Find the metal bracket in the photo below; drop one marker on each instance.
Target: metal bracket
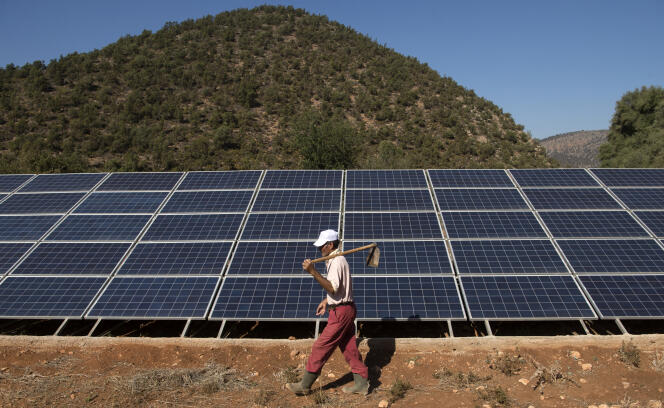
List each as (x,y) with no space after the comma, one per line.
(449,328)
(186,327)
(94,327)
(585,328)
(621,327)
(317,328)
(57,332)
(489,332)
(221,329)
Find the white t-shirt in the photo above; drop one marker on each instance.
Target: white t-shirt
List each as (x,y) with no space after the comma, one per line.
(338,273)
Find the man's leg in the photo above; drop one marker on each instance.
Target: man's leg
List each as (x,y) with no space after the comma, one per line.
(348,346)
(325,343)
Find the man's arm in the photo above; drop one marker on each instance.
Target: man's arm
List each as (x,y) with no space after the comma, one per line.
(308,266)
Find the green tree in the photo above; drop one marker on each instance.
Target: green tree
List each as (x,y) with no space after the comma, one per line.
(326,143)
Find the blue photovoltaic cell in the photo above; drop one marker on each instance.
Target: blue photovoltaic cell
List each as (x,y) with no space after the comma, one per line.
(10,253)
(572,198)
(289,226)
(412,297)
(507,257)
(470,178)
(302,179)
(641,198)
(63,182)
(401,258)
(178,258)
(626,296)
(492,225)
(580,224)
(298,200)
(524,297)
(40,203)
(2,196)
(72,259)
(388,200)
(220,180)
(139,181)
(156,297)
(378,226)
(268,298)
(194,227)
(480,199)
(613,256)
(99,228)
(208,201)
(38,296)
(25,228)
(121,203)
(272,258)
(10,182)
(631,177)
(553,178)
(653,220)
(385,179)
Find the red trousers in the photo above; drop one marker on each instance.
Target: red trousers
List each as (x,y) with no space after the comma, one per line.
(340,331)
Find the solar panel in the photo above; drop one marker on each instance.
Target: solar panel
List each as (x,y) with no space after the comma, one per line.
(220,180)
(177,258)
(385,179)
(51,203)
(361,226)
(121,203)
(579,198)
(480,199)
(10,182)
(470,178)
(553,178)
(401,258)
(39,296)
(412,298)
(10,253)
(208,201)
(653,220)
(298,200)
(63,182)
(155,297)
(613,256)
(305,226)
(524,297)
(492,225)
(388,200)
(194,227)
(641,198)
(99,228)
(626,296)
(25,228)
(140,181)
(72,259)
(2,196)
(507,257)
(580,224)
(302,179)
(631,177)
(272,258)
(268,298)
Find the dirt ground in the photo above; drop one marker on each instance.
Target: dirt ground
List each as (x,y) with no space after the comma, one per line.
(561,371)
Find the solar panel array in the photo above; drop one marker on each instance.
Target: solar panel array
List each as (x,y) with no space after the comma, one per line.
(455,244)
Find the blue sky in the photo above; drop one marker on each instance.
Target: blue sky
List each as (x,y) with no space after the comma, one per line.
(556,66)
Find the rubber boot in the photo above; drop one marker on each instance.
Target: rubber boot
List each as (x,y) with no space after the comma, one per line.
(304,386)
(360,386)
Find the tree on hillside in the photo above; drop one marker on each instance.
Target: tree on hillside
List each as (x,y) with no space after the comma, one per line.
(636,136)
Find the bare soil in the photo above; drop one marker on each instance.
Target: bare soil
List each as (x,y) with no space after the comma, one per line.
(562,371)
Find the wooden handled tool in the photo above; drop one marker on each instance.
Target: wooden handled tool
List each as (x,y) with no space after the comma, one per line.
(372,258)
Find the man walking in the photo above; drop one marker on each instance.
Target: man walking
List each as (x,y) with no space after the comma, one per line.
(340,328)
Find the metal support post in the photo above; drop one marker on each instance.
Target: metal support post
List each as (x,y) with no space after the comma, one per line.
(585,328)
(221,329)
(449,328)
(621,327)
(488,328)
(57,332)
(317,328)
(186,327)
(94,328)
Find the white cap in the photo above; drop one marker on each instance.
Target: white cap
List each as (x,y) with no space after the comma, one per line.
(325,237)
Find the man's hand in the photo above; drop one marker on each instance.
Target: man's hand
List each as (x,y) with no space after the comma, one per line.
(320,310)
(308,266)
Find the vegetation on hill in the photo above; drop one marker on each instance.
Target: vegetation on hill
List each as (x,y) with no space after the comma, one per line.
(270,87)
(575,149)
(636,136)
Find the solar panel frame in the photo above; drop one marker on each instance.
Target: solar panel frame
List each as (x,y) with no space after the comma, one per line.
(630,177)
(388,200)
(61,297)
(571,199)
(297,201)
(402,258)
(194,227)
(154,181)
(61,182)
(469,178)
(40,203)
(302,179)
(10,253)
(553,178)
(654,220)
(477,290)
(613,256)
(125,202)
(603,291)
(26,227)
(592,224)
(86,227)
(288,226)
(464,199)
(399,226)
(221,180)
(193,259)
(641,198)
(225,201)
(388,179)
(496,224)
(11,182)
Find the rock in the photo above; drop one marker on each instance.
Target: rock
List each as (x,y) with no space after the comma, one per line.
(592,406)
(303,356)
(62,352)
(583,380)
(586,367)
(454,391)
(562,397)
(625,385)
(71,353)
(480,388)
(603,406)
(615,406)
(654,404)
(542,397)
(500,354)
(531,406)
(575,355)
(291,337)
(331,375)
(524,381)
(383,404)
(486,406)
(411,364)
(294,353)
(72,396)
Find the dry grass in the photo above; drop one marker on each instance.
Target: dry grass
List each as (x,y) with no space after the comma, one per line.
(629,354)
(289,374)
(263,397)
(451,379)
(549,375)
(657,362)
(398,389)
(508,364)
(496,397)
(319,397)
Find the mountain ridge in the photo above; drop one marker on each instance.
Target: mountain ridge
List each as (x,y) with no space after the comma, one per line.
(576,149)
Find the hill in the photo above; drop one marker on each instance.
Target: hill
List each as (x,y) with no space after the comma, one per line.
(576,149)
(269,87)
